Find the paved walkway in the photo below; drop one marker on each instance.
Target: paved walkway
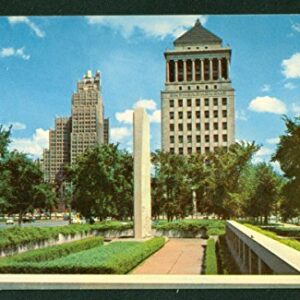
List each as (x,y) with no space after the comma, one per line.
(178,256)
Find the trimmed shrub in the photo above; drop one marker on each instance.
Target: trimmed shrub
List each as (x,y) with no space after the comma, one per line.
(284,231)
(210,260)
(53,252)
(116,258)
(289,242)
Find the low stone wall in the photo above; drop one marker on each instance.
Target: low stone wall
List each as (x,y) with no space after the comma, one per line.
(180,233)
(256,253)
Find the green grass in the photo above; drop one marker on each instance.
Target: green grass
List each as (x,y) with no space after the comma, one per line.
(116,258)
(212,227)
(210,260)
(289,242)
(16,236)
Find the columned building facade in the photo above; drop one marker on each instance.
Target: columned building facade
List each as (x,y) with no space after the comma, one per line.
(198,100)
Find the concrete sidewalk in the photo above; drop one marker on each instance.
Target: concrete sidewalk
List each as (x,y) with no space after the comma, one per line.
(178,256)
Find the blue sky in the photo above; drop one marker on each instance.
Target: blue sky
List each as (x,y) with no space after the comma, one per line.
(41,59)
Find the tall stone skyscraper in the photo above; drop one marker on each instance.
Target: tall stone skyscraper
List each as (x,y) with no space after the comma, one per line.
(84,129)
(198,100)
(87,115)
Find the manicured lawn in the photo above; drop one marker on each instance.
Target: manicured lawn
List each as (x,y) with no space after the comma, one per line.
(115,258)
(210,260)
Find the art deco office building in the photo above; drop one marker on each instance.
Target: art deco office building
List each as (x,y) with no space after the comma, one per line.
(73,135)
(87,115)
(198,100)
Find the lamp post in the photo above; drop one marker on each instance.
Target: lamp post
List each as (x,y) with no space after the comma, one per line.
(194,201)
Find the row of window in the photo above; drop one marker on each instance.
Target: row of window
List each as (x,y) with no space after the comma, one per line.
(190,150)
(189,102)
(189,114)
(189,126)
(189,138)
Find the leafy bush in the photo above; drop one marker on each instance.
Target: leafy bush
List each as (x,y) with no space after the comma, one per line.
(210,260)
(53,252)
(285,231)
(213,227)
(289,242)
(16,236)
(115,258)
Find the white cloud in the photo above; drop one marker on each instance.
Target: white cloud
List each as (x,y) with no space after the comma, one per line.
(296,27)
(273,141)
(151,26)
(15,126)
(125,116)
(291,66)
(241,115)
(117,134)
(266,88)
(145,103)
(296,108)
(268,104)
(263,151)
(15,20)
(155,117)
(33,146)
(290,86)
(7,52)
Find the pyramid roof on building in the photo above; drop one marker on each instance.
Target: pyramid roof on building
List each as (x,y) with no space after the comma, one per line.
(197,35)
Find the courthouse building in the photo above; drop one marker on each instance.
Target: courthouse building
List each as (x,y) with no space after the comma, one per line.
(198,100)
(85,128)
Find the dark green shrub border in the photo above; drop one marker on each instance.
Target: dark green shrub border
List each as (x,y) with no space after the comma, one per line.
(120,263)
(16,236)
(53,252)
(210,260)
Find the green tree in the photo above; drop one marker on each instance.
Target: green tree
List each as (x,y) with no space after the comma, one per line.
(287,154)
(4,140)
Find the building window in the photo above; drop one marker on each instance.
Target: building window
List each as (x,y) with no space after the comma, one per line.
(198,114)
(180,102)
(206,102)
(216,138)
(216,113)
(180,138)
(206,149)
(224,101)
(198,126)
(180,127)
(180,88)
(198,149)
(171,103)
(207,138)
(206,114)
(190,150)
(198,102)
(225,125)
(215,87)
(197,87)
(216,126)
(171,127)
(189,102)
(172,139)
(171,115)
(180,150)
(206,87)
(189,87)
(215,101)
(172,150)
(206,126)
(189,126)
(189,138)
(224,113)
(180,115)
(189,114)
(224,137)
(198,138)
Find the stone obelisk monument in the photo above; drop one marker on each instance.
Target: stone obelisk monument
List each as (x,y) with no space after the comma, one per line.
(142,188)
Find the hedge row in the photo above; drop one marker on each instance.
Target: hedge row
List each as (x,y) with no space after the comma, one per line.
(210,260)
(54,252)
(289,242)
(116,258)
(212,227)
(16,236)
(284,231)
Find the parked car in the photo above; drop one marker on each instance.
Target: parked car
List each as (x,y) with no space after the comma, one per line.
(10,221)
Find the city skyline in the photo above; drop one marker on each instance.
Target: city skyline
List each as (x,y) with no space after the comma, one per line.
(129,54)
